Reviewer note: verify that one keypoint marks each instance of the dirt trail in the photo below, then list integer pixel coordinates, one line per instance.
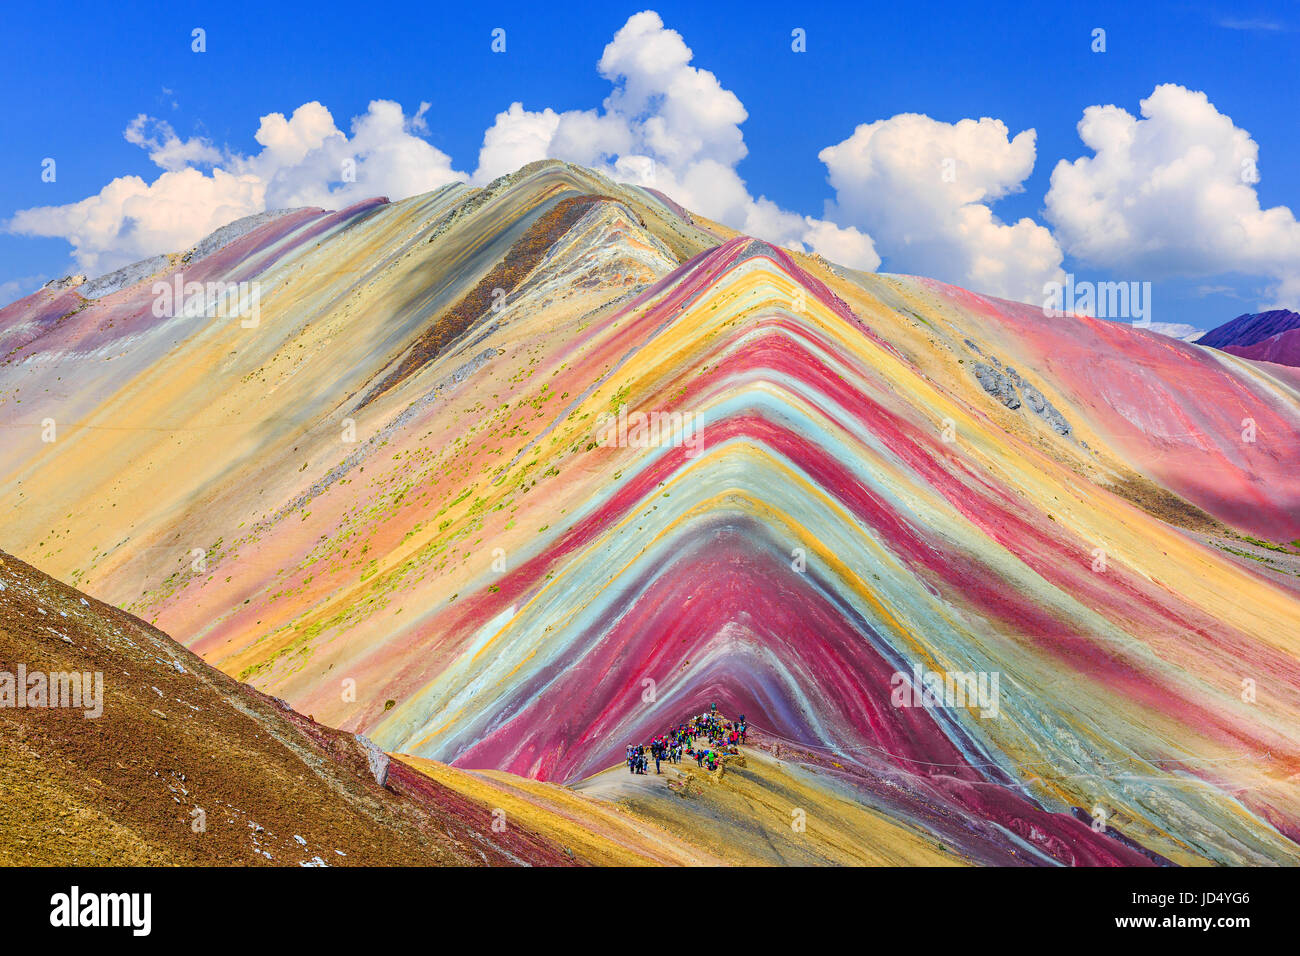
(758, 809)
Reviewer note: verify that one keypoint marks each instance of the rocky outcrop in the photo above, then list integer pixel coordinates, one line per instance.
(997, 384)
(126, 276)
(1040, 406)
(1007, 386)
(67, 282)
(376, 758)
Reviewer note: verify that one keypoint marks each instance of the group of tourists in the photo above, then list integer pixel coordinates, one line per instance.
(659, 749)
(724, 737)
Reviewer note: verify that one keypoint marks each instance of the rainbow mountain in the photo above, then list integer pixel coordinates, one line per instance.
(508, 478)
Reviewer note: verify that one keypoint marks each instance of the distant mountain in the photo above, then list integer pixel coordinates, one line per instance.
(1265, 336)
(1250, 328)
(1281, 349)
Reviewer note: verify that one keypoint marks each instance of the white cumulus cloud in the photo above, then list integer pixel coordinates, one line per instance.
(165, 148)
(1172, 194)
(669, 125)
(1169, 193)
(305, 160)
(130, 219)
(922, 188)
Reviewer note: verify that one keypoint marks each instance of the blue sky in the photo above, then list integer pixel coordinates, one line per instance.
(74, 76)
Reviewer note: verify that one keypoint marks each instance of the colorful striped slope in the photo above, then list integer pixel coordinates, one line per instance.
(509, 478)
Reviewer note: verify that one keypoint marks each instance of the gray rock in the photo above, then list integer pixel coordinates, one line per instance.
(1001, 383)
(67, 282)
(124, 277)
(230, 232)
(1045, 410)
(377, 759)
(1057, 421)
(139, 271)
(1034, 399)
(997, 385)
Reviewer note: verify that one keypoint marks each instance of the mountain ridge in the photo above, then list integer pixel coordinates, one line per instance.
(879, 472)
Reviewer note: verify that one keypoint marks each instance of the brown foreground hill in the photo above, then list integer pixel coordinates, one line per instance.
(187, 766)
